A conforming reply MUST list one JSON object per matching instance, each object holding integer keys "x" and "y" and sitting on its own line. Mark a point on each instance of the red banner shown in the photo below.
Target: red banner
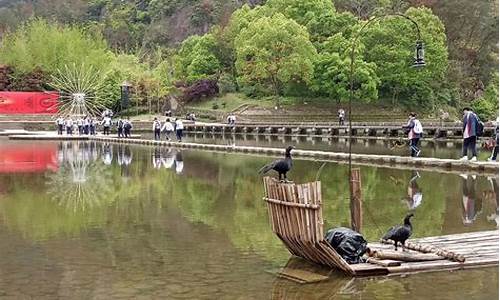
{"x": 28, "y": 103}
{"x": 28, "y": 158}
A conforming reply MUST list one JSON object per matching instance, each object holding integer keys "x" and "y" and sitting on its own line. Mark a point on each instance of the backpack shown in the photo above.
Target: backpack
{"x": 418, "y": 129}
{"x": 128, "y": 126}
{"x": 479, "y": 127}
{"x": 157, "y": 125}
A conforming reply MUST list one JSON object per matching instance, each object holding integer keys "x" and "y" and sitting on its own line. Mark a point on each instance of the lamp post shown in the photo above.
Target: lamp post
{"x": 124, "y": 91}
{"x": 419, "y": 62}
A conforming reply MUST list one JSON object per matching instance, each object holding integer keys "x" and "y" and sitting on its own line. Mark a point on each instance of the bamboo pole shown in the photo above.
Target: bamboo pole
{"x": 431, "y": 249}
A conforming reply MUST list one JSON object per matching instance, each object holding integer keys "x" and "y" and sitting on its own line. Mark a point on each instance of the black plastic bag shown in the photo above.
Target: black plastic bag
{"x": 348, "y": 243}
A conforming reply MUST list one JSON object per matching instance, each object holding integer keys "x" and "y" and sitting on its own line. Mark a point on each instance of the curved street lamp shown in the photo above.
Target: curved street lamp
{"x": 419, "y": 62}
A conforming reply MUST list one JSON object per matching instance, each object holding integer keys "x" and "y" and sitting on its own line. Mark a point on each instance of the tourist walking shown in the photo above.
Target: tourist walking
{"x": 92, "y": 124}
{"x": 341, "y": 115}
{"x": 106, "y": 124}
{"x": 86, "y": 125}
{"x": 69, "y": 126}
{"x": 415, "y": 130}
{"x": 471, "y": 127}
{"x": 168, "y": 128}
{"x": 179, "y": 127}
{"x": 494, "y": 154}
{"x": 119, "y": 128}
{"x": 157, "y": 129}
{"x": 127, "y": 128}
{"x": 60, "y": 125}
{"x": 79, "y": 124}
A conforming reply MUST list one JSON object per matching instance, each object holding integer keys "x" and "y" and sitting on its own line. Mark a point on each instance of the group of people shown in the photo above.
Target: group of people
{"x": 472, "y": 129}
{"x": 85, "y": 125}
{"x": 168, "y": 127}
{"x": 231, "y": 119}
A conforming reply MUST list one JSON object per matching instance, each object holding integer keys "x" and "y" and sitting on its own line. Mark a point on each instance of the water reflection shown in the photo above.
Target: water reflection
{"x": 414, "y": 198}
{"x": 209, "y": 226}
{"x": 168, "y": 158}
{"x": 471, "y": 204}
{"x": 82, "y": 182}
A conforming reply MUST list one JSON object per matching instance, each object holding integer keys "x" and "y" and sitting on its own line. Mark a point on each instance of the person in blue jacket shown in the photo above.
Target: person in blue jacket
{"x": 470, "y": 125}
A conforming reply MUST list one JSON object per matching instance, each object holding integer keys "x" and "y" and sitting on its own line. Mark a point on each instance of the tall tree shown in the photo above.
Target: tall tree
{"x": 332, "y": 72}
{"x": 390, "y": 43}
{"x": 273, "y": 51}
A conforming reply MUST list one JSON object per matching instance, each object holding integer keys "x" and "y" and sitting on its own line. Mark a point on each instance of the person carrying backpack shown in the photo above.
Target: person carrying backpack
{"x": 127, "y": 127}
{"x": 157, "y": 129}
{"x": 168, "y": 128}
{"x": 472, "y": 128}
{"x": 415, "y": 131}
{"x": 120, "y": 128}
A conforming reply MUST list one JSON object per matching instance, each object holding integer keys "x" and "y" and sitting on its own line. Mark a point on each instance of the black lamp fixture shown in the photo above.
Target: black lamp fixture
{"x": 419, "y": 54}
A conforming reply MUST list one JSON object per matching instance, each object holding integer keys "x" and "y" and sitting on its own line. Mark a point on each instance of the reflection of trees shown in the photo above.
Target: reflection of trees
{"x": 82, "y": 182}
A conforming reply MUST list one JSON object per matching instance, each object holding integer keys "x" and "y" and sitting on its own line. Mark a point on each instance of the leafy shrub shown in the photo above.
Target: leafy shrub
{"x": 200, "y": 89}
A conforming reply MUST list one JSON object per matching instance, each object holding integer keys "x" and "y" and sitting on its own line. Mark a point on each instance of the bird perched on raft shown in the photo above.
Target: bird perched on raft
{"x": 282, "y": 166}
{"x": 400, "y": 233}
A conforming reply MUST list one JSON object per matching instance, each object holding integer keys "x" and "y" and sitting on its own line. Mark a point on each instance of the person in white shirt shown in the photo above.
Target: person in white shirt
{"x": 157, "y": 129}
{"x": 86, "y": 125}
{"x": 79, "y": 124}
{"x": 69, "y": 126}
{"x": 179, "y": 126}
{"x": 168, "y": 128}
{"x": 60, "y": 125}
{"x": 106, "y": 124}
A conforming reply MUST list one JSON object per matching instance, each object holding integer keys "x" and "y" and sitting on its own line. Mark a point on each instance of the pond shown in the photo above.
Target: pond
{"x": 93, "y": 220}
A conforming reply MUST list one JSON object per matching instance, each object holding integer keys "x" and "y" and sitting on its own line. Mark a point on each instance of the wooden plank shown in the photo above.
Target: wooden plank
{"x": 383, "y": 262}
{"x": 365, "y": 269}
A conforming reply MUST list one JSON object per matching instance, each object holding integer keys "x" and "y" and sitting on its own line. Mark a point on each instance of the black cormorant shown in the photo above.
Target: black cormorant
{"x": 282, "y": 166}
{"x": 400, "y": 233}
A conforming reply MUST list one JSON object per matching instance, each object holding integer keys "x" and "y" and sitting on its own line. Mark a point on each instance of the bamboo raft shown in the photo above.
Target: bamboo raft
{"x": 295, "y": 214}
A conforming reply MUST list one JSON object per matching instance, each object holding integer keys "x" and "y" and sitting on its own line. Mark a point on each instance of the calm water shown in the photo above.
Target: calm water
{"x": 439, "y": 149}
{"x": 86, "y": 220}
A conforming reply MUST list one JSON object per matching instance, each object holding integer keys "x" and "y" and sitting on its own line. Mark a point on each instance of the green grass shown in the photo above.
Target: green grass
{"x": 232, "y": 101}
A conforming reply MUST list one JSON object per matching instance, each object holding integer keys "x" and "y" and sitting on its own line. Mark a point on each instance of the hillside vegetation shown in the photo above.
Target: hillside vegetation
{"x": 191, "y": 50}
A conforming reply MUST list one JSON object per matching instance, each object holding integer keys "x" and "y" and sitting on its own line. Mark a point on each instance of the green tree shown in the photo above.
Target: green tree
{"x": 332, "y": 70}
{"x": 50, "y": 46}
{"x": 390, "y": 43}
{"x": 197, "y": 58}
{"x": 487, "y": 106}
{"x": 273, "y": 51}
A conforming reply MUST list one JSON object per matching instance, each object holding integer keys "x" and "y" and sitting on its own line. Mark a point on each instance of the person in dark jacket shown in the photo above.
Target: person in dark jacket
{"x": 157, "y": 129}
{"x": 470, "y": 124}
{"x": 494, "y": 154}
{"x": 119, "y": 127}
{"x": 414, "y": 128}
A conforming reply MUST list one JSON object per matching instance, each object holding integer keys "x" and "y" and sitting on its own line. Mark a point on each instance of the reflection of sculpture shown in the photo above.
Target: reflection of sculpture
{"x": 82, "y": 181}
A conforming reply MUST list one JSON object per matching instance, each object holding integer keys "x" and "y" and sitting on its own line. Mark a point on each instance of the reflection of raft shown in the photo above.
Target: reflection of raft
{"x": 295, "y": 212}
